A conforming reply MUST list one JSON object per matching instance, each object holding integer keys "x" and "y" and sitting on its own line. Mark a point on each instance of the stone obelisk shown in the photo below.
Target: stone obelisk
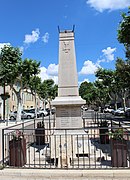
{"x": 68, "y": 103}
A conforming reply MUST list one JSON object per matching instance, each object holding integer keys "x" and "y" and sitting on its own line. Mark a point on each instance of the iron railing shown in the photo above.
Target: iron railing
{"x": 39, "y": 144}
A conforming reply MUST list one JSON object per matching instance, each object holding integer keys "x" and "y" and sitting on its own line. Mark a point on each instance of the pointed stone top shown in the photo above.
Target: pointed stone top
{"x": 66, "y": 31}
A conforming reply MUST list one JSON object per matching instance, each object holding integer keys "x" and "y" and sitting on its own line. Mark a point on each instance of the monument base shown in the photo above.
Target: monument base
{"x": 68, "y": 132}
{"x": 68, "y": 100}
{"x": 68, "y": 146}
{"x": 68, "y": 112}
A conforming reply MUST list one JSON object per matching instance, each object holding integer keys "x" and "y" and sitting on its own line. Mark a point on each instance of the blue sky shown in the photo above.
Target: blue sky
{"x": 32, "y": 26}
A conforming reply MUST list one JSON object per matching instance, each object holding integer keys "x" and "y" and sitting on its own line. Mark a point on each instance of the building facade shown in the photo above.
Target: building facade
{"x": 28, "y": 101}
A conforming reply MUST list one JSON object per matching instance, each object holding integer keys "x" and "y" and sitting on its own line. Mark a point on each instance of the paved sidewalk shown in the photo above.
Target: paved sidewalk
{"x": 42, "y": 174}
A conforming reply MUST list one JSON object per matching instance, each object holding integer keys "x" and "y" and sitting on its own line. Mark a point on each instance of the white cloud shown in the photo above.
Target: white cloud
{"x": 45, "y": 38}
{"x": 43, "y": 73}
{"x": 49, "y": 73}
{"x": 101, "y": 5}
{"x": 52, "y": 70}
{"x": 21, "y": 49}
{"x": 55, "y": 78}
{"x": 88, "y": 68}
{"x": 108, "y": 55}
{"x": 86, "y": 80}
{"x": 32, "y": 38}
{"x": 4, "y": 44}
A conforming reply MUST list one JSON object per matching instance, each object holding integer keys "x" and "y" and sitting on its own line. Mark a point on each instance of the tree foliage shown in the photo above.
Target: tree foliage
{"x": 87, "y": 92}
{"x": 112, "y": 84}
{"x": 16, "y": 72}
{"x": 34, "y": 84}
{"x": 123, "y": 74}
{"x": 48, "y": 89}
{"x": 109, "y": 81}
{"x": 29, "y": 69}
{"x": 102, "y": 95}
{"x": 116, "y": 82}
{"x": 10, "y": 65}
{"x": 124, "y": 32}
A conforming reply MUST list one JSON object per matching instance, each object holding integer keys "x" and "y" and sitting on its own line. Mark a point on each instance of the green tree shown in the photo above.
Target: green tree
{"x": 87, "y": 92}
{"x": 123, "y": 66}
{"x": 48, "y": 90}
{"x": 102, "y": 95}
{"x": 16, "y": 72}
{"x": 109, "y": 84}
{"x": 123, "y": 74}
{"x": 34, "y": 86}
{"x": 124, "y": 32}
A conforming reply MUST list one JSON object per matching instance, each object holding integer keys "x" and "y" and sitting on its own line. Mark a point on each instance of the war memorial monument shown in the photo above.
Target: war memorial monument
{"x": 68, "y": 103}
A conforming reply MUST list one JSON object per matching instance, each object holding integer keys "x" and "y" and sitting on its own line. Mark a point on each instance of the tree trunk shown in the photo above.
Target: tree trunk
{"x": 19, "y": 107}
{"x": 116, "y": 97}
{"x": 124, "y": 98}
{"x": 35, "y": 105}
{"x": 116, "y": 105}
{"x": 124, "y": 103}
{"x": 44, "y": 104}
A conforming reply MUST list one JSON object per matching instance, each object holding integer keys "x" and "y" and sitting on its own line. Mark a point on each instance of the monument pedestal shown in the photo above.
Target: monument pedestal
{"x": 68, "y": 133}
{"x": 68, "y": 112}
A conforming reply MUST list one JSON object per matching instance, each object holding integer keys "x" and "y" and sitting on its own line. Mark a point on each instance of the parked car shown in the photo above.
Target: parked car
{"x": 108, "y": 110}
{"x": 84, "y": 108}
{"x": 43, "y": 112}
{"x": 24, "y": 115}
{"x": 119, "y": 112}
{"x": 48, "y": 110}
{"x": 32, "y": 111}
{"x": 53, "y": 110}
{"x": 127, "y": 112}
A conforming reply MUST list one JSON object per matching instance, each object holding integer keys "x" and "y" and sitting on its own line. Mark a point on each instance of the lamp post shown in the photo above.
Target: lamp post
{"x": 3, "y": 98}
{"x": 4, "y": 103}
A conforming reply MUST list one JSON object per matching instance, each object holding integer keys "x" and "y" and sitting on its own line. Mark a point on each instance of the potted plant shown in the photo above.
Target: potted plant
{"x": 40, "y": 133}
{"x": 103, "y": 132}
{"x": 5, "y": 96}
{"x": 17, "y": 149}
{"x": 118, "y": 148}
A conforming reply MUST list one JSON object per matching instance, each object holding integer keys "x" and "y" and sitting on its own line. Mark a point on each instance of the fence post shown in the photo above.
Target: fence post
{"x": 49, "y": 123}
{"x": 3, "y": 147}
{"x": 22, "y": 126}
{"x": 34, "y": 124}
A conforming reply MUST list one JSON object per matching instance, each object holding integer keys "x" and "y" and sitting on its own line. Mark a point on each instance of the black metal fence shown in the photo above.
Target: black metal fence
{"x": 101, "y": 143}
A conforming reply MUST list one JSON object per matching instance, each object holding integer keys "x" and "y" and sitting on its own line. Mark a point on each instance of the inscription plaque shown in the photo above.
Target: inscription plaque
{"x": 69, "y": 117}
{"x": 69, "y": 122}
{"x": 68, "y": 112}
